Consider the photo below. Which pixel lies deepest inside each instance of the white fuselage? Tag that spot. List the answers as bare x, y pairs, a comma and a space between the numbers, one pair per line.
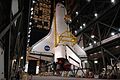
59, 51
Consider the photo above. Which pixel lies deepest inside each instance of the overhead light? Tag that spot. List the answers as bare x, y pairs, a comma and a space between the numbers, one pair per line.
119, 29
80, 27
88, 0
31, 12
90, 44
70, 20
30, 23
28, 37
76, 13
112, 1
29, 32
27, 46
99, 52
117, 46
29, 28
21, 57
94, 42
113, 33
84, 24
28, 41
34, 1
75, 32
32, 9
35, 21
104, 69
92, 36
95, 62
82, 47
91, 54
95, 53
95, 14
31, 17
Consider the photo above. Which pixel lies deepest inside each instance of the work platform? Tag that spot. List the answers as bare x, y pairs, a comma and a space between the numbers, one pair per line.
63, 78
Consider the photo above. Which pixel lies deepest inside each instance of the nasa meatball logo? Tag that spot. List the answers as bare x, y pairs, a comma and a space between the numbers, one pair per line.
47, 48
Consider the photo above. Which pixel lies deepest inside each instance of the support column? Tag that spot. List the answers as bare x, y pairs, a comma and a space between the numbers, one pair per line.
37, 67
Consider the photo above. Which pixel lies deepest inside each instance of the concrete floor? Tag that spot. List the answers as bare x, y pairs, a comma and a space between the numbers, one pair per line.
63, 78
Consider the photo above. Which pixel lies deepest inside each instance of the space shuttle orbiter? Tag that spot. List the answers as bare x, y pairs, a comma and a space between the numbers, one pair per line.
60, 40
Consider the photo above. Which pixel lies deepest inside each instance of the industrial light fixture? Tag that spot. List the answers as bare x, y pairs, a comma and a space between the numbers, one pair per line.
112, 33
31, 12
99, 52
95, 62
94, 42
84, 24
96, 15
81, 27
32, 9
70, 20
117, 46
119, 29
28, 36
92, 36
29, 32
118, 67
76, 13
29, 28
82, 47
21, 57
75, 31
88, 0
30, 23
31, 17
112, 1
34, 1
91, 54
28, 40
95, 53
27, 46
90, 44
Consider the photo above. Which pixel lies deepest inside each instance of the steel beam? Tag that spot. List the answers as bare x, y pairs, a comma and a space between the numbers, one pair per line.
88, 37
110, 54
115, 16
100, 39
9, 51
109, 26
11, 23
79, 12
99, 17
